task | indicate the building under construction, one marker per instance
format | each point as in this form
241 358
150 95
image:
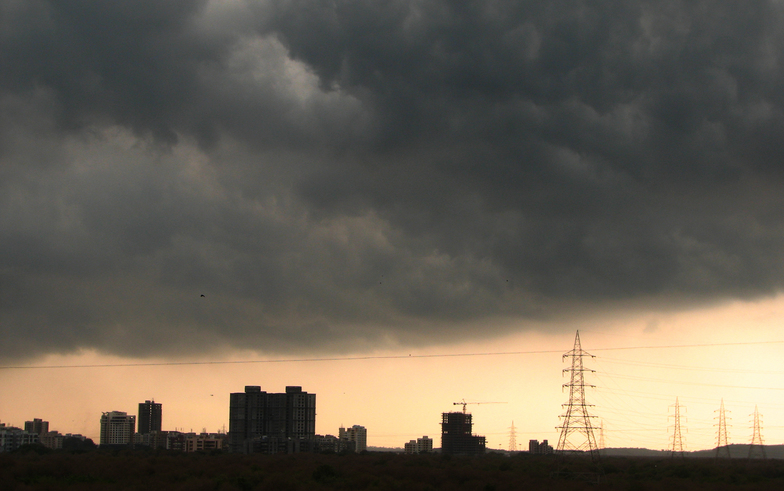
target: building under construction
456 437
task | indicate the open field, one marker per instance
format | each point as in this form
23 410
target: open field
129 470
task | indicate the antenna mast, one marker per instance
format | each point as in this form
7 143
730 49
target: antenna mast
577 420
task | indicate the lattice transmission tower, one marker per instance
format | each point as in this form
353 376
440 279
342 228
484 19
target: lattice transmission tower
757 447
577 432
722 439
677 437
512 438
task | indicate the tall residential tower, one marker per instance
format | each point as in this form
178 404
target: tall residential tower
356 434
150 417
271 423
117 428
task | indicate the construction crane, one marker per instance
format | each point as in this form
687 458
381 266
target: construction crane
464 404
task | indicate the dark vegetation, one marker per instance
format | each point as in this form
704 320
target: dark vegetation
131 470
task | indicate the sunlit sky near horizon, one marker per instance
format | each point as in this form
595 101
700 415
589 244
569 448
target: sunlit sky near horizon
399 399
279 180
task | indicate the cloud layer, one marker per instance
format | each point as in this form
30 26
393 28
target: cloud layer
339 175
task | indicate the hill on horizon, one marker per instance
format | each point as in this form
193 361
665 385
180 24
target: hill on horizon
736 451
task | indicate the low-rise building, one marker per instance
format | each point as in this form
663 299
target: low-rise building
536 448
152 439
12 438
206 442
331 443
420 445
53 440
326 444
175 440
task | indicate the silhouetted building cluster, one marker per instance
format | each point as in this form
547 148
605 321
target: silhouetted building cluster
37 432
120 429
332 444
456 437
534 447
179 441
259 422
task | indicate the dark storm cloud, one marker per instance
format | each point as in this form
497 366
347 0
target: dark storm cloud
348 175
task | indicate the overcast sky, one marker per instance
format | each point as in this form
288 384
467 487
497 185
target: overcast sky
184 177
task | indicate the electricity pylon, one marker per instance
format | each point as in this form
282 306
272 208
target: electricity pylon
512 438
577 420
677 437
757 447
722 440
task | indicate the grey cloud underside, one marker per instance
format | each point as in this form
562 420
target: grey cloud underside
354 175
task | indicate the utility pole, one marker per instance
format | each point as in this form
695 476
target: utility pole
757 447
677 438
722 441
577 421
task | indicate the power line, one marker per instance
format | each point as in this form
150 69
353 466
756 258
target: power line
688 367
703 345
634 394
371 357
684 382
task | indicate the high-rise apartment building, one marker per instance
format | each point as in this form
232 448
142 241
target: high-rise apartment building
356 434
271 422
37 426
456 437
117 428
150 417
